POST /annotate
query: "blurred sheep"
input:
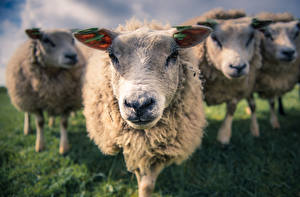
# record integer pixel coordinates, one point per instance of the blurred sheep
(229, 60)
(44, 74)
(280, 49)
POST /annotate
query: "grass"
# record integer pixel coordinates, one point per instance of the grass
(265, 166)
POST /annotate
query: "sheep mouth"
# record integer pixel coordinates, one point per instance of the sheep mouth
(287, 59)
(71, 62)
(236, 75)
(139, 121)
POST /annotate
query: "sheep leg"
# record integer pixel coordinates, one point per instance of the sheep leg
(280, 107)
(51, 121)
(273, 119)
(64, 144)
(147, 180)
(224, 133)
(39, 122)
(254, 128)
(27, 128)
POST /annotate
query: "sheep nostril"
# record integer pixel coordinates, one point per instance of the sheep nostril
(126, 103)
(140, 106)
(243, 66)
(288, 53)
(71, 56)
(239, 68)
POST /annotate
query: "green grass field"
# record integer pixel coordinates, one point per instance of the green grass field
(266, 166)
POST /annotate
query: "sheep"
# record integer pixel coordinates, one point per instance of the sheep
(140, 97)
(279, 47)
(228, 60)
(44, 74)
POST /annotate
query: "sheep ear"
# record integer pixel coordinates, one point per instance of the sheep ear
(95, 38)
(259, 24)
(189, 36)
(34, 33)
(209, 22)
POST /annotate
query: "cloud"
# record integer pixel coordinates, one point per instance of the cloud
(45, 14)
(9, 40)
(110, 13)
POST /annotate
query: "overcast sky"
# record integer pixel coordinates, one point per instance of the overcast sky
(17, 15)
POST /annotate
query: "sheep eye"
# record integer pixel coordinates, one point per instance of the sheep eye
(113, 58)
(250, 39)
(296, 34)
(216, 40)
(268, 35)
(73, 41)
(172, 58)
(48, 41)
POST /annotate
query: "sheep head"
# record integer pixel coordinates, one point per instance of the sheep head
(232, 45)
(145, 67)
(57, 47)
(281, 41)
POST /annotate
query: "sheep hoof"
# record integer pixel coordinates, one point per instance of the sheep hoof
(224, 140)
(63, 149)
(275, 125)
(73, 114)
(255, 132)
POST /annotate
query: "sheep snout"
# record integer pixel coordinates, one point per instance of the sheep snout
(288, 55)
(140, 110)
(236, 70)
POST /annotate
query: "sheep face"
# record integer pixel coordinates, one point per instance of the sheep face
(145, 67)
(231, 47)
(57, 47)
(279, 41)
(145, 75)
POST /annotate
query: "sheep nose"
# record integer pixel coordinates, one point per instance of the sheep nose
(141, 108)
(288, 53)
(239, 67)
(72, 57)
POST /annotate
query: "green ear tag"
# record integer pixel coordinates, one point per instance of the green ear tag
(179, 36)
(181, 28)
(98, 38)
(36, 31)
(88, 31)
(211, 22)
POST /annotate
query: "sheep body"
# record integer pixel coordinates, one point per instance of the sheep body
(217, 87)
(215, 81)
(33, 87)
(276, 78)
(46, 76)
(272, 82)
(234, 29)
(173, 139)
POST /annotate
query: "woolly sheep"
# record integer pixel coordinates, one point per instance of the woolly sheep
(44, 74)
(140, 97)
(279, 47)
(228, 60)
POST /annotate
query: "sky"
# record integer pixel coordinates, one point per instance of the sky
(18, 15)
